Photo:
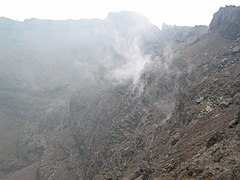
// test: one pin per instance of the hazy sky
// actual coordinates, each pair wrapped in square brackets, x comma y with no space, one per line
[178,12]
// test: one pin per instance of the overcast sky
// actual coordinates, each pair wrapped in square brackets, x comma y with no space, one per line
[173,12]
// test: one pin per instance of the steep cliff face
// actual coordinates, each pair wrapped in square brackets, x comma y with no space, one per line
[226,22]
[108,114]
[146,104]
[44,62]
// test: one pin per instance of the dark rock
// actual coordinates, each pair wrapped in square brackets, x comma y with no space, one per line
[217,156]
[190,173]
[175,138]
[200,100]
[143,172]
[169,167]
[236,99]
[140,178]
[236,49]
[225,102]
[139,141]
[234,122]
[217,137]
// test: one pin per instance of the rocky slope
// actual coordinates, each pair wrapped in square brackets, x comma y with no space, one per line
[44,62]
[145,104]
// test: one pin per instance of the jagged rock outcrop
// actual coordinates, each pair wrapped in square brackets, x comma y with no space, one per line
[227,22]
